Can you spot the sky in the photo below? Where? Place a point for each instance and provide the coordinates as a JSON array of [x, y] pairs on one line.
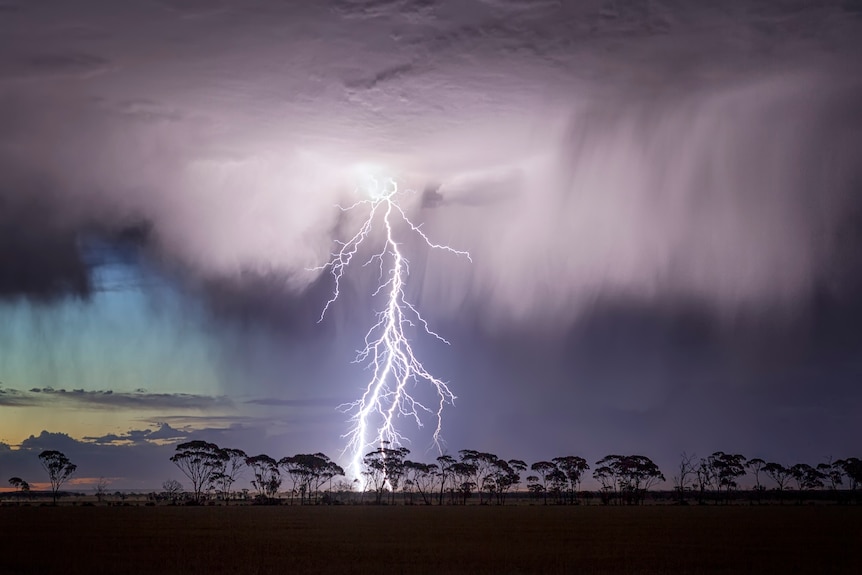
[[662, 203]]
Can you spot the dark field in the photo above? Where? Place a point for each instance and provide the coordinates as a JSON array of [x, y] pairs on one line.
[[516, 539]]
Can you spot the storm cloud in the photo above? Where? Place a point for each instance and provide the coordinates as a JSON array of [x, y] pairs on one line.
[[672, 183], [718, 169]]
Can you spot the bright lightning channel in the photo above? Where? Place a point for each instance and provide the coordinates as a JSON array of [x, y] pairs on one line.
[[387, 352]]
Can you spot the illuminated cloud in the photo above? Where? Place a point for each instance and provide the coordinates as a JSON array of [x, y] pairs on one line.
[[660, 200]]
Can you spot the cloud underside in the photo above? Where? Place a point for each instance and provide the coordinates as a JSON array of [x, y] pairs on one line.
[[603, 149], [108, 399], [162, 434]]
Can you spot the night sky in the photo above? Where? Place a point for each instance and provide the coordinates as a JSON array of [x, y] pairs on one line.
[[662, 201]]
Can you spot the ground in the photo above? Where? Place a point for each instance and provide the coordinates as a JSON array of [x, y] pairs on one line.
[[415, 539]]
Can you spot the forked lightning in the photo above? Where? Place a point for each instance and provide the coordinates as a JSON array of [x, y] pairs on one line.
[[388, 352]]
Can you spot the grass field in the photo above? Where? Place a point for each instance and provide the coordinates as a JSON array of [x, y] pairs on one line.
[[357, 539]]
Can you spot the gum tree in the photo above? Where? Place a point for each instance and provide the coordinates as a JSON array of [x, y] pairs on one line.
[[544, 469], [806, 478], [755, 466], [726, 469], [779, 474], [20, 486], [228, 469], [199, 461], [59, 469], [682, 481], [384, 468], [573, 467], [267, 478], [632, 475]]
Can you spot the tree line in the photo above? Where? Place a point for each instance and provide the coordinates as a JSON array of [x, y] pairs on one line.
[[718, 475], [388, 475]]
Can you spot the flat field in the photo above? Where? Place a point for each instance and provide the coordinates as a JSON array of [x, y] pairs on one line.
[[413, 540]]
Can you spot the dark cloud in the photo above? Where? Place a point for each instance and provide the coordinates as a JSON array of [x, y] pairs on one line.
[[279, 402], [77, 65], [195, 8], [521, 6], [376, 80], [412, 10], [108, 399], [164, 433], [143, 110], [14, 398], [39, 256], [138, 466], [49, 66], [48, 253], [263, 299]]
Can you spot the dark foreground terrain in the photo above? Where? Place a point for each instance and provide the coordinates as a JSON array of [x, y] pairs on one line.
[[516, 539]]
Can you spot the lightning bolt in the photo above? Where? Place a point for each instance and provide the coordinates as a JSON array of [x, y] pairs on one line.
[[387, 352]]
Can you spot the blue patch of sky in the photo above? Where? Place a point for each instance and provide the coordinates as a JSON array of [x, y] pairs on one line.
[[136, 331]]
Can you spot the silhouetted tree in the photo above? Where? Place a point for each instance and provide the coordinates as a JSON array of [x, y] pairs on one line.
[[267, 477], [172, 489], [544, 469], [632, 475], [726, 469], [227, 470], [492, 474], [374, 472], [682, 481], [421, 476], [101, 489], [756, 465], [607, 479], [299, 474], [516, 467], [20, 486], [806, 477], [503, 476], [642, 473], [557, 485], [573, 468], [328, 471], [779, 474], [484, 465], [462, 474], [852, 468], [444, 466], [384, 468], [300, 470], [534, 486], [59, 469], [705, 477], [308, 472], [199, 461], [832, 474]]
